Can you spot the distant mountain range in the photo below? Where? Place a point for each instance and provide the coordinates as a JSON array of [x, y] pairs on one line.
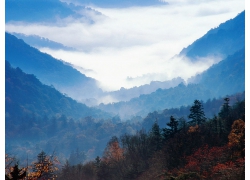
[[225, 78], [227, 40], [66, 79]]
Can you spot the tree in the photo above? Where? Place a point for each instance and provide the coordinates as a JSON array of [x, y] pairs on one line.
[[224, 114], [113, 152], [44, 167], [16, 173], [196, 113], [173, 124], [156, 137], [77, 157], [225, 109], [237, 137]]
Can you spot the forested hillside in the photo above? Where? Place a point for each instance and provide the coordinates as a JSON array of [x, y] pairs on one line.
[[26, 95], [226, 77]]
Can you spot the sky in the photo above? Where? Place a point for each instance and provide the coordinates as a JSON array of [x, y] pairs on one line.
[[132, 46]]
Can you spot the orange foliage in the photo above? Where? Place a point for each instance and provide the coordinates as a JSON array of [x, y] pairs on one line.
[[114, 152], [212, 163], [193, 129], [237, 134]]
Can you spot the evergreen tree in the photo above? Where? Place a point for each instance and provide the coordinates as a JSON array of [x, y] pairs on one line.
[[225, 109], [173, 124], [224, 114], [197, 114], [156, 137], [16, 173]]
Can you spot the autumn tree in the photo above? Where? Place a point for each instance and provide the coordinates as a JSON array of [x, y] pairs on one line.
[[237, 137], [197, 114], [111, 165], [44, 167], [113, 151]]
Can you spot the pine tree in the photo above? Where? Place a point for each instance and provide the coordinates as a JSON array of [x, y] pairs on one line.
[[224, 114], [16, 173], [173, 124], [156, 137], [225, 109], [196, 113]]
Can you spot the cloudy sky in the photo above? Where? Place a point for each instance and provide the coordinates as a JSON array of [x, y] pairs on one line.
[[131, 46]]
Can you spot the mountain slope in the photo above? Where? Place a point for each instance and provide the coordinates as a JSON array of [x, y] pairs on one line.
[[224, 40], [39, 42], [228, 76], [49, 70], [158, 100], [25, 94]]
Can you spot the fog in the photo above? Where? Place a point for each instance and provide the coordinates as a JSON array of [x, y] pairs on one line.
[[127, 47]]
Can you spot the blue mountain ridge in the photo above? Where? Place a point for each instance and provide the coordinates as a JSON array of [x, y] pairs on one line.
[[223, 40], [49, 70], [26, 95]]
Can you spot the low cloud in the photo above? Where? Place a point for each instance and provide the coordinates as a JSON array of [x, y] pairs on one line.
[[132, 46], [133, 67]]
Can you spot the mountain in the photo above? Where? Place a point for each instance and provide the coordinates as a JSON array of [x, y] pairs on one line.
[[158, 100], [40, 42], [49, 70], [222, 41], [224, 78], [126, 94], [25, 94], [63, 77]]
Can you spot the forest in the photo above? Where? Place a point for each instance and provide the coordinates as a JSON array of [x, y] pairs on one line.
[[200, 148]]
